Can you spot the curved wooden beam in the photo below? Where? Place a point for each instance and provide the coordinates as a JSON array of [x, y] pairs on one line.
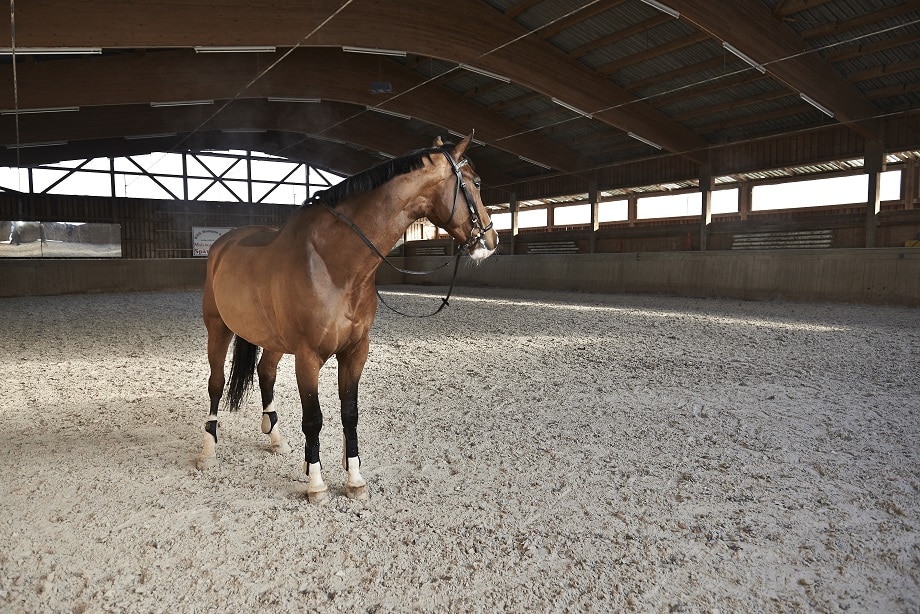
[[467, 32]]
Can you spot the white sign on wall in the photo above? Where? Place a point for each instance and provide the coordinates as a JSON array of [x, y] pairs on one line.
[[203, 238]]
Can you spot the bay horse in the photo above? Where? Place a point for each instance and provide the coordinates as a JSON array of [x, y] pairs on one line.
[[308, 289]]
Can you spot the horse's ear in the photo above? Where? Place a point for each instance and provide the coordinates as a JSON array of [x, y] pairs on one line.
[[460, 149], [437, 142]]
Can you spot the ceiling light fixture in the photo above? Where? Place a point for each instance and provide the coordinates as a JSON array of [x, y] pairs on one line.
[[240, 49], [47, 144], [571, 108], [816, 104], [386, 112], [374, 51], [646, 141], [535, 163], [180, 103], [463, 136], [137, 137], [743, 56], [664, 9], [485, 73], [44, 110], [51, 50], [285, 99]]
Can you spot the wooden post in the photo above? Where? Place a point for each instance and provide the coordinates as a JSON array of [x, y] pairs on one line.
[[513, 206], [910, 177], [632, 209], [706, 213], [594, 199], [874, 165], [745, 194]]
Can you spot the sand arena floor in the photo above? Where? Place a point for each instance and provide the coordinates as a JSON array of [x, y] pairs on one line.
[[525, 452]]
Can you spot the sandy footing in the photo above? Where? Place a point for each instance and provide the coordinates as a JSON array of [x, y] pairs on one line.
[[524, 451]]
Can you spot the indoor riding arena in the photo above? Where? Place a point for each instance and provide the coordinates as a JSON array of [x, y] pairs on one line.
[[638, 285]]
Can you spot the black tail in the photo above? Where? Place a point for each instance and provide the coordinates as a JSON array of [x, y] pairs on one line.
[[242, 369]]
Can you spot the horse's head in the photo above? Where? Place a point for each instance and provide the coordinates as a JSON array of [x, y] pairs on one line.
[[459, 209]]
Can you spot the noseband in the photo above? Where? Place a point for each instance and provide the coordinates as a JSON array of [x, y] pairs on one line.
[[478, 232]]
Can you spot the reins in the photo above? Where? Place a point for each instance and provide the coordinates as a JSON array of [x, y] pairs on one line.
[[474, 237]]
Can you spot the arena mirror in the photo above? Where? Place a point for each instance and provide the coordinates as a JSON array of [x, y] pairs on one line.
[[59, 240]]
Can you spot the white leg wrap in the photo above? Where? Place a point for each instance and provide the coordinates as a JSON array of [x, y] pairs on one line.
[[317, 491], [208, 456], [353, 466]]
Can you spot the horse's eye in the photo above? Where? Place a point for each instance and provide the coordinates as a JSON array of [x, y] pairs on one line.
[[478, 184]]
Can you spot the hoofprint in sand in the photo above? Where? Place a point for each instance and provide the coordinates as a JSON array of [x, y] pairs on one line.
[[524, 451]]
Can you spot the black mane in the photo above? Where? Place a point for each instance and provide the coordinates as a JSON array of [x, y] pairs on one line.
[[376, 176]]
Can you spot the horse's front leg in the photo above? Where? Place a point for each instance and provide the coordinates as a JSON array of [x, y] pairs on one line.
[[351, 364], [268, 370], [219, 337], [307, 366]]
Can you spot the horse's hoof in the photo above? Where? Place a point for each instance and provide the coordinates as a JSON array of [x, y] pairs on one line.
[[281, 447], [358, 493], [319, 497], [203, 463]]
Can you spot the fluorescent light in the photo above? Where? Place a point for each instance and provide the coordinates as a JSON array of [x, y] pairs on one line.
[[664, 9], [47, 144], [285, 99], [385, 155], [534, 162], [646, 141], [163, 135], [44, 110], [386, 112], [243, 131], [181, 103], [241, 49], [571, 108], [816, 104], [485, 73], [744, 57], [374, 51], [51, 50]]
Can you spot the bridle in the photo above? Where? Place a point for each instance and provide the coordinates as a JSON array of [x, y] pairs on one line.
[[477, 235], [478, 232]]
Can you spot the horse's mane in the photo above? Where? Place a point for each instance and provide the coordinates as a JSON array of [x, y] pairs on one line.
[[376, 176]]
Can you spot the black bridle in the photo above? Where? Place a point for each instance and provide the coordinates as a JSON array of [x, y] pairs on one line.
[[477, 235]]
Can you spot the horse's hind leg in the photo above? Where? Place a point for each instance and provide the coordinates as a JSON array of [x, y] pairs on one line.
[[268, 370], [351, 364], [307, 366], [219, 337]]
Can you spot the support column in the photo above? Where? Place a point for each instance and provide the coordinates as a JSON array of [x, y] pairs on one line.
[[910, 178], [594, 199], [706, 213], [745, 197], [550, 217], [513, 206], [874, 165], [632, 209]]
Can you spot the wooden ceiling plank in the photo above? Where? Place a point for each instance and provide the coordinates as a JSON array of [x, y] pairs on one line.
[[567, 22], [619, 35], [836, 27], [520, 7], [653, 52]]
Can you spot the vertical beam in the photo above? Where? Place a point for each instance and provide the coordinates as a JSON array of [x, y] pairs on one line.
[[632, 209], [550, 216], [706, 213], [249, 176], [594, 199], [185, 176], [874, 165], [513, 206], [910, 178], [745, 198]]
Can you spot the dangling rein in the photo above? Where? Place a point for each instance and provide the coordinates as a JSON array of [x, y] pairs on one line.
[[370, 244]]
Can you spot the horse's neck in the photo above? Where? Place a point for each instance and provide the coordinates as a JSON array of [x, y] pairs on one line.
[[383, 215]]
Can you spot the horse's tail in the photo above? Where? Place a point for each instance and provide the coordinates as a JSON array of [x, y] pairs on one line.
[[242, 369]]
